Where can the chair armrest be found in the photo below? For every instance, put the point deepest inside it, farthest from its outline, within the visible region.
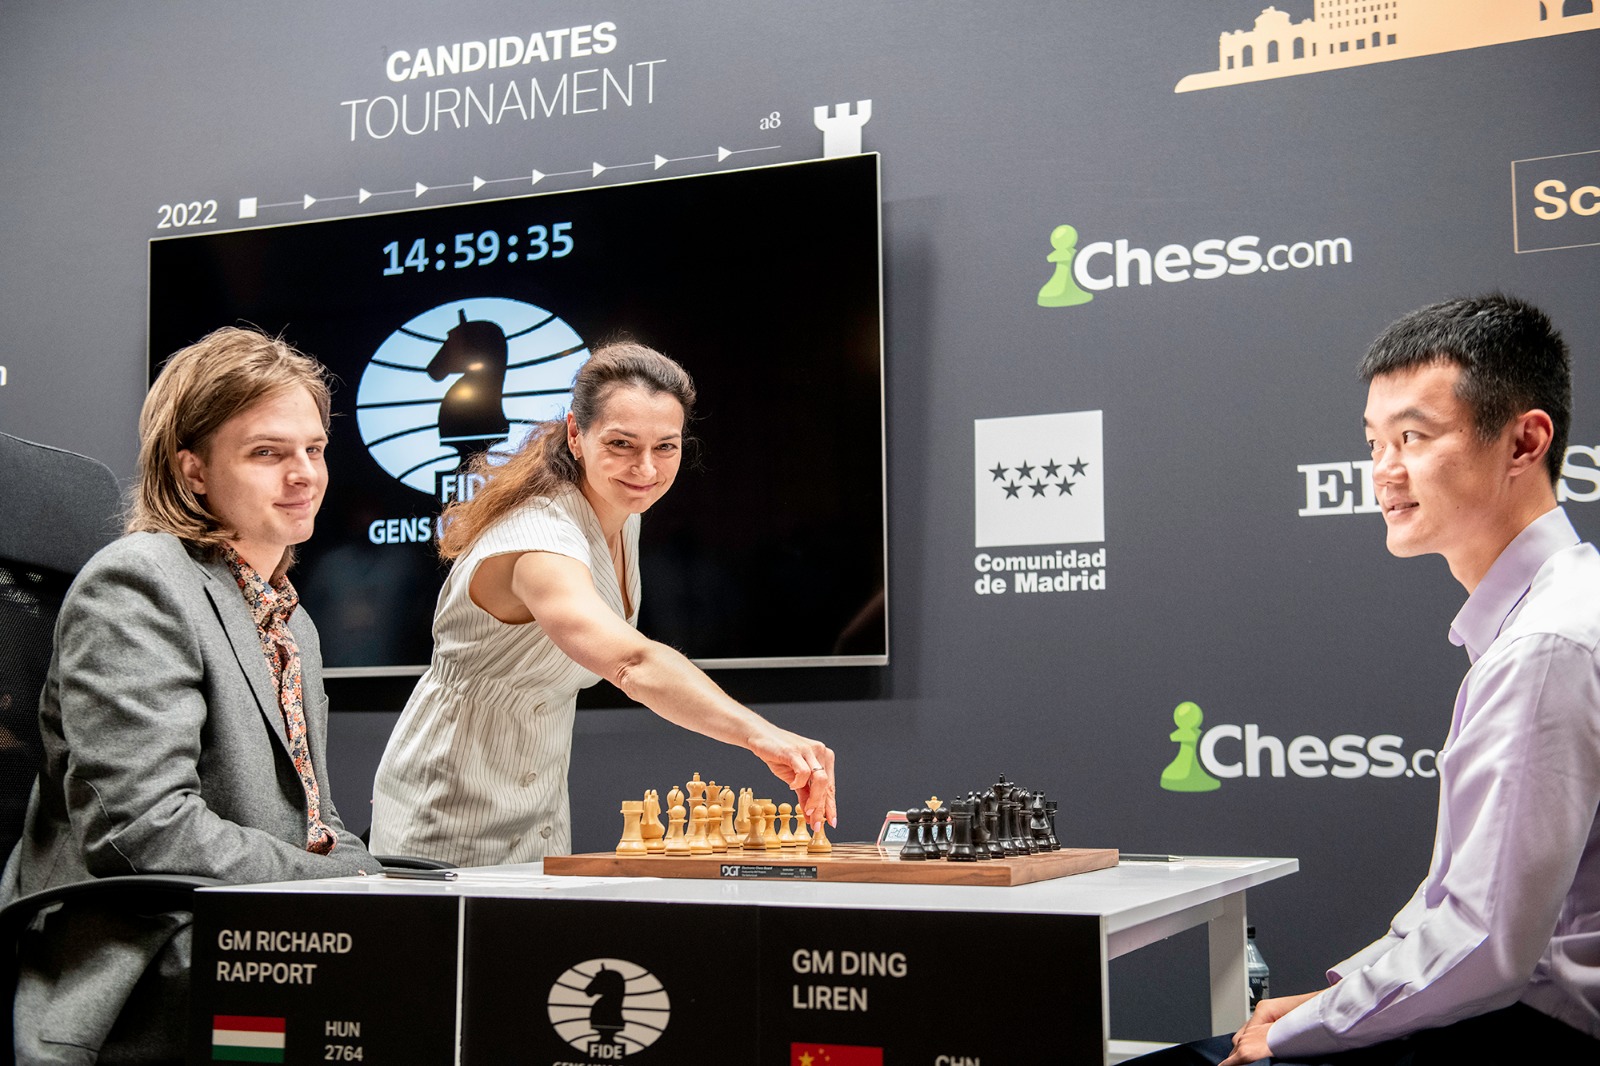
(132, 892)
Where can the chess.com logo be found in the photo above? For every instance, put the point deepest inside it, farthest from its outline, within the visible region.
(609, 1009)
(1081, 271)
(461, 377)
(1206, 758)
(1037, 482)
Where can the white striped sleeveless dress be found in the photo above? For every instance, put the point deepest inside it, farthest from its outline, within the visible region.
(476, 770)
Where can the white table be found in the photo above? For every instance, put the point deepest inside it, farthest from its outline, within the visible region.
(1137, 904)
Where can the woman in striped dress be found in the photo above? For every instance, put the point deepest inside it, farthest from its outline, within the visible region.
(542, 600)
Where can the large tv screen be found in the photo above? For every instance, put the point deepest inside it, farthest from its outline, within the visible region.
(455, 329)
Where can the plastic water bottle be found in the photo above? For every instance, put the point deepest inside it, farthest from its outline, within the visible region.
(1256, 970)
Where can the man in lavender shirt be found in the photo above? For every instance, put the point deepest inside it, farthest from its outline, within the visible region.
(1496, 958)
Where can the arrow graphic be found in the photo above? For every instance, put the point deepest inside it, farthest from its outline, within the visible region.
(477, 183)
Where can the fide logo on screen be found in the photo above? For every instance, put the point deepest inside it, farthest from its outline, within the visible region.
(460, 378)
(1037, 481)
(609, 1009)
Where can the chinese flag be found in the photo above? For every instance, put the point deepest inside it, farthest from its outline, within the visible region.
(834, 1055)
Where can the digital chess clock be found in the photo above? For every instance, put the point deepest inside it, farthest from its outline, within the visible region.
(895, 830)
(466, 250)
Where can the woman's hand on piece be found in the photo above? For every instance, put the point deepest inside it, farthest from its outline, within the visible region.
(804, 765)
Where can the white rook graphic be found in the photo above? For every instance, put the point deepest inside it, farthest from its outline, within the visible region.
(841, 132)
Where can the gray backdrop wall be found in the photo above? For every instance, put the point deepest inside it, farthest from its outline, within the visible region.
(1243, 566)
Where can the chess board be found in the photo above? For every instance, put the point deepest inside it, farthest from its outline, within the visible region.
(847, 862)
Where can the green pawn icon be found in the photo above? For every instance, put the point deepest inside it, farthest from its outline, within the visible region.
(1184, 773)
(1061, 290)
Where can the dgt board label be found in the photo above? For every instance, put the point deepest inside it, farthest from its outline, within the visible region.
(748, 871)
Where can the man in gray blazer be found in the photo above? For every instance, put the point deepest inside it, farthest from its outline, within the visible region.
(183, 717)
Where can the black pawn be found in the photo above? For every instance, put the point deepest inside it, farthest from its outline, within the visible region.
(941, 832)
(913, 850)
(930, 833)
(1050, 815)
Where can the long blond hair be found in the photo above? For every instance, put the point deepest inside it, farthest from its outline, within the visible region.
(199, 388)
(544, 466)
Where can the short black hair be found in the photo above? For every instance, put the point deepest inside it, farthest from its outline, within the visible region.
(1512, 360)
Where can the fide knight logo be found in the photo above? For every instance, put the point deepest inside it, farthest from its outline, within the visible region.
(460, 378)
(609, 1009)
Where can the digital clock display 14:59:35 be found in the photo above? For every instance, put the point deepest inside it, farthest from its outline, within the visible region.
(481, 249)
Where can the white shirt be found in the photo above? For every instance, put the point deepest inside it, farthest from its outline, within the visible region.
(476, 771)
(1510, 908)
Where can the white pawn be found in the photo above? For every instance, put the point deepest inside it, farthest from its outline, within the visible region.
(714, 837)
(675, 843)
(785, 835)
(699, 843)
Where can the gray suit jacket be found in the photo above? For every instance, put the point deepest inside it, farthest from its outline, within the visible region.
(164, 752)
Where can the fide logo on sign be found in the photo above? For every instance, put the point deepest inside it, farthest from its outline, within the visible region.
(463, 377)
(609, 1009)
(1038, 481)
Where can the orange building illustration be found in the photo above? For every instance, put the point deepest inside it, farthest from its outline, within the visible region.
(1348, 33)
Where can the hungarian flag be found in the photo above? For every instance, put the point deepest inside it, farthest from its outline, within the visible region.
(834, 1055)
(243, 1038)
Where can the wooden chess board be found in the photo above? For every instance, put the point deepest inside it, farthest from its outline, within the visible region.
(847, 862)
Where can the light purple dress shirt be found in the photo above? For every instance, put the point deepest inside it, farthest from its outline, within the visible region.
(1510, 909)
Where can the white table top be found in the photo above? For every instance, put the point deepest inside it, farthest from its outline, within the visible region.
(1126, 895)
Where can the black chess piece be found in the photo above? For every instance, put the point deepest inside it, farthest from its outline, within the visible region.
(941, 833)
(1024, 838)
(1008, 830)
(1005, 791)
(961, 845)
(1050, 814)
(980, 838)
(1024, 822)
(991, 824)
(1038, 824)
(912, 850)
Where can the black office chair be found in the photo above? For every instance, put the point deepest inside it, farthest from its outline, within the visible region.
(60, 508)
